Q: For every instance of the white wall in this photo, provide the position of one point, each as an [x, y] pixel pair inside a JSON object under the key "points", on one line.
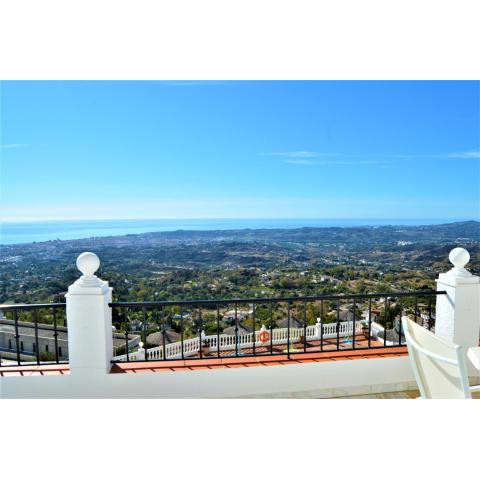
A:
{"points": [[322, 379]]}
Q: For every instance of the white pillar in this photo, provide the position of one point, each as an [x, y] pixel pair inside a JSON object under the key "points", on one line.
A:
{"points": [[89, 320], [458, 312]]}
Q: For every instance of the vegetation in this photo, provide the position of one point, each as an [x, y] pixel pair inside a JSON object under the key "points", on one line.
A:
{"points": [[242, 264]]}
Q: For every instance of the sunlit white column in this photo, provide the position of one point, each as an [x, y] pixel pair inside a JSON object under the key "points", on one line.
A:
{"points": [[89, 320], [458, 312]]}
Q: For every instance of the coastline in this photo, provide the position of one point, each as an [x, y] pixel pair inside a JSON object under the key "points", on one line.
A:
{"points": [[18, 233]]}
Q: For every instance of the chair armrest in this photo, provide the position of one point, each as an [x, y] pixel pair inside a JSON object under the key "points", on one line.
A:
{"points": [[473, 355]]}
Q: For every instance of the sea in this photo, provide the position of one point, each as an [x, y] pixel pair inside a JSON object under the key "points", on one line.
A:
{"points": [[41, 231]]}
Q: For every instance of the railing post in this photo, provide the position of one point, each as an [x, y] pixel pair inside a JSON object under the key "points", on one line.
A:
{"points": [[89, 319], [458, 312]]}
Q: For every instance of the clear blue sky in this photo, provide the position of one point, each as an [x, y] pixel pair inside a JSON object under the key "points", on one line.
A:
{"points": [[240, 149]]}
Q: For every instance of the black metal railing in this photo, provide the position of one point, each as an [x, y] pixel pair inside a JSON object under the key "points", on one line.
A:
{"points": [[33, 334], [199, 329]]}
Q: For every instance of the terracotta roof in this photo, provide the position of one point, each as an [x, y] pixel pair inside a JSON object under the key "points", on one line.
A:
{"points": [[242, 330], [157, 337], [294, 323]]}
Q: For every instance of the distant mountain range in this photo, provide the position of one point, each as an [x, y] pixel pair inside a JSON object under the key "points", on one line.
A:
{"points": [[464, 231]]}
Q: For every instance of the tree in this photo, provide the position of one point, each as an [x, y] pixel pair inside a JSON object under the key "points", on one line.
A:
{"points": [[389, 313]]}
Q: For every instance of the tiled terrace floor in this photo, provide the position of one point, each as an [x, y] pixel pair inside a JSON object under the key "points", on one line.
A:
{"points": [[258, 361]]}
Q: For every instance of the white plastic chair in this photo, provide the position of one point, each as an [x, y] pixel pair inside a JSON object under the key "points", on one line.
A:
{"points": [[439, 366]]}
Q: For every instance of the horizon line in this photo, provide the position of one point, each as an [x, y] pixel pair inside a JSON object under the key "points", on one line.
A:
{"points": [[38, 220]]}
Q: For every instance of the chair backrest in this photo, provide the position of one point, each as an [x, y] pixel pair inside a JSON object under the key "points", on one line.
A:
{"points": [[439, 366]]}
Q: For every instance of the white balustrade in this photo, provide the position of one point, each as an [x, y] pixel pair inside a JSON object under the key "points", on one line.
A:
{"points": [[222, 342]]}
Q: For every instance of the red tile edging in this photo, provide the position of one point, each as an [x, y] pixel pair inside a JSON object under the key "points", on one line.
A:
{"points": [[214, 363]]}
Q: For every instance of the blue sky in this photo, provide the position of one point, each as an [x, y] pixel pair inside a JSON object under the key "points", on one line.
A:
{"points": [[74, 150]]}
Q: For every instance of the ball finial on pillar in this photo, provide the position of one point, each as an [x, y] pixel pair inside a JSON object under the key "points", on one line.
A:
{"points": [[459, 257], [88, 263]]}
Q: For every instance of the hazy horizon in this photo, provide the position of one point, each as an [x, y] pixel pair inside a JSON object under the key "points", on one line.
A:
{"points": [[106, 219], [39, 231]]}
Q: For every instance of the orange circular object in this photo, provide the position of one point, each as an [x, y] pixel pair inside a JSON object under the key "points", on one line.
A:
{"points": [[264, 336]]}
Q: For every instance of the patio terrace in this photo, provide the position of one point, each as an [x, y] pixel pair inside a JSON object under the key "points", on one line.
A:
{"points": [[302, 358]]}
